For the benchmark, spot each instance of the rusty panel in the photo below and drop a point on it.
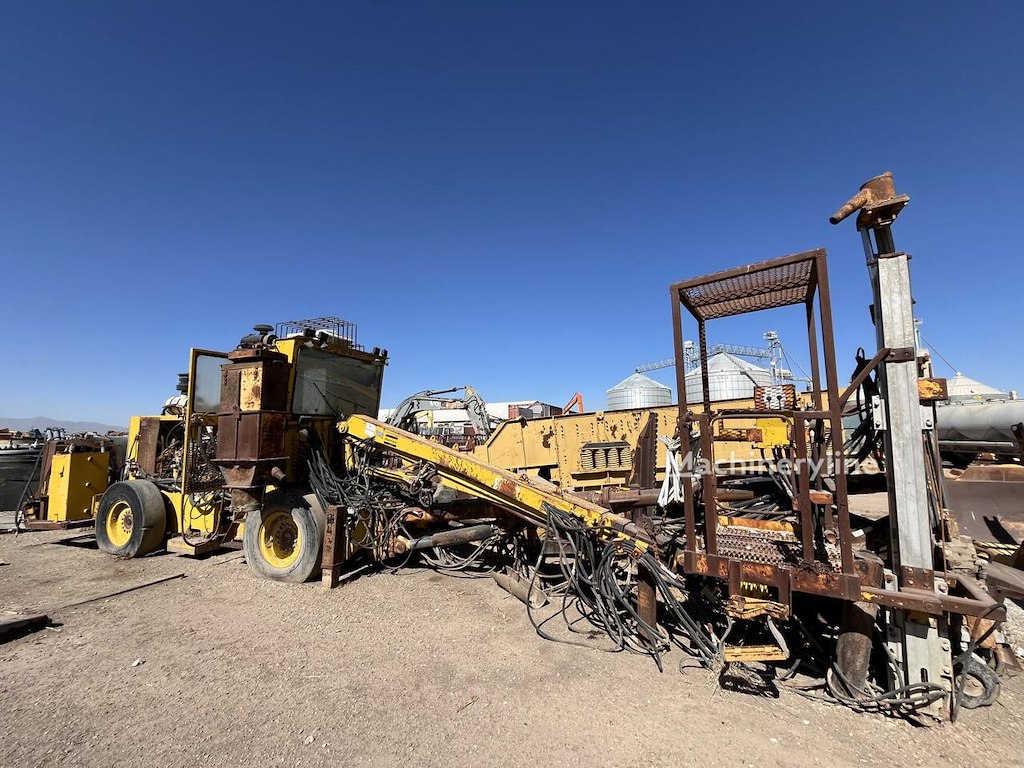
(250, 436)
(260, 385)
(765, 285)
(932, 390)
(149, 433)
(645, 456)
(230, 386)
(250, 388)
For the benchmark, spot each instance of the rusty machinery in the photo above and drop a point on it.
(816, 550)
(885, 615)
(232, 458)
(416, 414)
(766, 577)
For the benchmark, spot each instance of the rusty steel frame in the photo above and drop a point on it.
(855, 580)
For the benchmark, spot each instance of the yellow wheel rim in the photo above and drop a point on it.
(120, 522)
(280, 539)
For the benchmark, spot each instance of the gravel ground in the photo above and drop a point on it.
(218, 668)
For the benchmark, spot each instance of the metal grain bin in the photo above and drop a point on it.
(638, 391)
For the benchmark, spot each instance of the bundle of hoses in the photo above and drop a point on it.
(379, 513)
(904, 700)
(600, 587)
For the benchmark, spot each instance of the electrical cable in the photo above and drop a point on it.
(601, 578)
(941, 356)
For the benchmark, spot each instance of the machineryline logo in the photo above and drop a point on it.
(700, 466)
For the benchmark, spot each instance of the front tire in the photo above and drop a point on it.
(284, 538)
(131, 520)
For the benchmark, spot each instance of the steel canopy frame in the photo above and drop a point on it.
(800, 278)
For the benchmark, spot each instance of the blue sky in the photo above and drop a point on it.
(499, 193)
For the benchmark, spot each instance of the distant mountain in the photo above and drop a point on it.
(42, 422)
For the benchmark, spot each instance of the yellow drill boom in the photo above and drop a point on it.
(518, 494)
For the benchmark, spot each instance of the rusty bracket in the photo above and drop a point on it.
(335, 545)
(901, 355)
(917, 578)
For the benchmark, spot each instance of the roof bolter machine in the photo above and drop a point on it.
(231, 458)
(772, 572)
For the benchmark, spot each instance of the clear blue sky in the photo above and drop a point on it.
(499, 193)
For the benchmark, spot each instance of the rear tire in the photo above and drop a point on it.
(131, 520)
(284, 538)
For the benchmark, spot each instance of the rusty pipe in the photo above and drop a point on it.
(881, 187)
(520, 589)
(453, 537)
(648, 497)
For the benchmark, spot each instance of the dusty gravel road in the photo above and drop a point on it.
(415, 669)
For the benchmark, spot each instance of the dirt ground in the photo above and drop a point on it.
(219, 668)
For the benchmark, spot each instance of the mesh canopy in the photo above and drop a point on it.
(334, 326)
(766, 285)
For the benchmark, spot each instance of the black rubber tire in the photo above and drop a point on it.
(986, 678)
(310, 521)
(148, 518)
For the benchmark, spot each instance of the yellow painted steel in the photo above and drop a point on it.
(250, 388)
(555, 447)
(280, 539)
(751, 653)
(75, 478)
(202, 513)
(120, 522)
(465, 472)
(199, 513)
(774, 432)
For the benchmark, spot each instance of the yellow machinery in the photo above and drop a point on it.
(233, 457)
(75, 472)
(273, 438)
(75, 478)
(593, 451)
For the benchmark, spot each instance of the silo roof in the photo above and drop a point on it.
(964, 386)
(638, 381)
(724, 361)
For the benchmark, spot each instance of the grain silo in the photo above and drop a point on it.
(729, 378)
(965, 389)
(638, 391)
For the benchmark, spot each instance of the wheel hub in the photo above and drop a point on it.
(120, 523)
(280, 540)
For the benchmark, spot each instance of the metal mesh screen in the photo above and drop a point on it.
(334, 326)
(738, 292)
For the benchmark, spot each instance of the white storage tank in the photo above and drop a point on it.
(729, 378)
(638, 391)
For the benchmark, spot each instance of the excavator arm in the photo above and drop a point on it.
(404, 415)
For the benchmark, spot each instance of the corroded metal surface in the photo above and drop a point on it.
(764, 285)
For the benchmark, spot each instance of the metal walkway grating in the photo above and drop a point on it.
(765, 285)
